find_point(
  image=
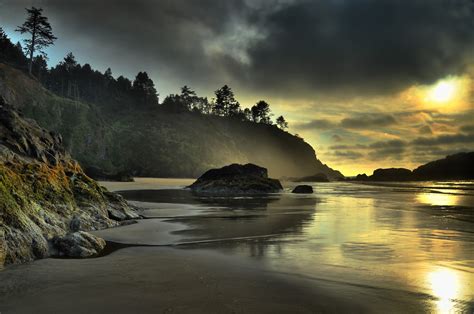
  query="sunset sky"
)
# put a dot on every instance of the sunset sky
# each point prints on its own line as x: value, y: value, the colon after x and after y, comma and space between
x: 368, y: 83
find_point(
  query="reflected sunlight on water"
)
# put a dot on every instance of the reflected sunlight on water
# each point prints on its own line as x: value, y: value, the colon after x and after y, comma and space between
x: 438, y: 199
x: 445, y: 287
x: 405, y: 244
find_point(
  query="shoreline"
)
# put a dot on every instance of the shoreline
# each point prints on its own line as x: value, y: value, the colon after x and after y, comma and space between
x: 165, y: 280
x: 212, y: 259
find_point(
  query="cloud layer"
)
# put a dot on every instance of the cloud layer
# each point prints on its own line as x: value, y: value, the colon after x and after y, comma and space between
x: 333, y: 68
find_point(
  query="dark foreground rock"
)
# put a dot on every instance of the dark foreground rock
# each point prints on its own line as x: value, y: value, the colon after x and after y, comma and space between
x: 78, y: 244
x: 236, y: 179
x: 44, y: 194
x: 303, y: 189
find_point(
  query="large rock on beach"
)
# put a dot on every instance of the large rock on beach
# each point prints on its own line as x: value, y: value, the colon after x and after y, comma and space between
x: 236, y: 179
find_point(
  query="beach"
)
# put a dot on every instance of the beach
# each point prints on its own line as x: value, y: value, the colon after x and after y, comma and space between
x: 358, y: 248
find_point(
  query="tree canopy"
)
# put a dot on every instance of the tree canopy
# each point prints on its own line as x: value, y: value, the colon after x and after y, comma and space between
x: 73, y: 80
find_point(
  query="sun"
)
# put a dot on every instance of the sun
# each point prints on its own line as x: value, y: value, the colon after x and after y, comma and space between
x: 443, y: 92
x: 449, y: 94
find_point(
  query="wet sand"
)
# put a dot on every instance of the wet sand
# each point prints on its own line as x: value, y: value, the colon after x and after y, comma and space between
x: 166, y: 280
x: 345, y: 249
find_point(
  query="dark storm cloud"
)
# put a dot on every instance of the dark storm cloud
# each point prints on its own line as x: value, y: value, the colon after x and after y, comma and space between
x: 426, y: 129
x: 360, y: 121
x: 387, y: 153
x: 368, y: 121
x: 317, y: 124
x: 391, y: 144
x: 275, y: 46
x: 468, y: 129
x: 348, y: 154
x: 444, y: 140
x: 364, y: 45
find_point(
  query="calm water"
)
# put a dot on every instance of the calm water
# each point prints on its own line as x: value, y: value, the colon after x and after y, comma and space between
x: 397, y: 247
x: 410, y: 238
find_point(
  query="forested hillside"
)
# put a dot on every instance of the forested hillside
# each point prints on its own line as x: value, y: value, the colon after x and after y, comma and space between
x: 120, y: 125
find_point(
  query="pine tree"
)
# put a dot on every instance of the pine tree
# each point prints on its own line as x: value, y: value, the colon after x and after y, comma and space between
x: 225, y: 103
x: 281, y: 123
x: 261, y: 112
x: 41, y: 33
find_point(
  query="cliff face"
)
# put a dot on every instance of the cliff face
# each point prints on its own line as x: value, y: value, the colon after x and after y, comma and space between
x: 44, y: 193
x: 156, y: 142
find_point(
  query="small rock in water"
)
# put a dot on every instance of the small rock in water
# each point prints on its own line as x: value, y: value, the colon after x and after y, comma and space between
x: 77, y: 244
x: 303, y: 189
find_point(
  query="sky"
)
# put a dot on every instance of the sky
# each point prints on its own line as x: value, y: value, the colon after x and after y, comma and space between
x: 368, y: 83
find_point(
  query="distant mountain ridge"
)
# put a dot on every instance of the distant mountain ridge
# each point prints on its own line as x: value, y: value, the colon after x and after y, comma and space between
x: 156, y: 142
x: 453, y: 167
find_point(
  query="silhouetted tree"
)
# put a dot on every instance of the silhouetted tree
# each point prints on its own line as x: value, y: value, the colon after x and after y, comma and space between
x: 202, y: 105
x: 281, y: 123
x: 225, y: 103
x: 144, y: 89
x: 41, y: 33
x: 261, y: 112
x: 10, y: 53
x: 124, y: 84
x: 68, y: 68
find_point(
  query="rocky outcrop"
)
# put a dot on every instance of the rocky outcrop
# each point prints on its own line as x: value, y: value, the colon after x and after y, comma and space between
x: 236, y: 179
x: 78, y: 244
x: 453, y: 167
x: 44, y: 193
x: 303, y: 189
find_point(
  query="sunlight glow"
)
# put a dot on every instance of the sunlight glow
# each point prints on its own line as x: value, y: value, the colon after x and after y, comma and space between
x: 438, y: 199
x: 445, y: 287
x: 443, y: 91
x: 448, y: 94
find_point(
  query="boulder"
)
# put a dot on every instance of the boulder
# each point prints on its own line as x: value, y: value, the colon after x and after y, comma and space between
x: 236, y: 179
x: 78, y: 244
x: 303, y: 189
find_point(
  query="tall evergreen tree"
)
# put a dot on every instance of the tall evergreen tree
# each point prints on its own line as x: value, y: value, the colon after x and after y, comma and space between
x: 261, y: 112
x: 10, y: 53
x: 281, y: 123
x: 41, y: 33
x: 225, y: 103
x: 144, y: 90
